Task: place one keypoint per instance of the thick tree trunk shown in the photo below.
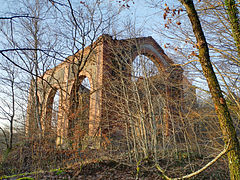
(226, 123)
(233, 15)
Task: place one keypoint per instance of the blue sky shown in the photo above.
(142, 13)
(145, 16)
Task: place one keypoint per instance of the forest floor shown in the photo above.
(105, 169)
(40, 162)
(110, 170)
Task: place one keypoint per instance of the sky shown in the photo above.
(141, 14)
(146, 16)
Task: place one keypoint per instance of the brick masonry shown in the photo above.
(105, 60)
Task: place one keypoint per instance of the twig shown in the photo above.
(196, 172)
(195, 60)
(17, 16)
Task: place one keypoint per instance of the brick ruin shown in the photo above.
(104, 63)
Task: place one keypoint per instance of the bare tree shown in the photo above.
(222, 111)
(8, 105)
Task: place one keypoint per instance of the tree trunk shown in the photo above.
(13, 113)
(233, 15)
(36, 68)
(226, 123)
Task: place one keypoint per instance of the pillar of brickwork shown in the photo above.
(173, 97)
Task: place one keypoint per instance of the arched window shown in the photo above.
(146, 76)
(143, 67)
(79, 110)
(52, 114)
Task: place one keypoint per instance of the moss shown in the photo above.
(25, 178)
(58, 171)
(19, 175)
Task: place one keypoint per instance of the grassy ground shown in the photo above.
(40, 160)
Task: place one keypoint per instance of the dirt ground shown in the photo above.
(95, 171)
(112, 170)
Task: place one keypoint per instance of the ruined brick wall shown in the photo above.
(107, 61)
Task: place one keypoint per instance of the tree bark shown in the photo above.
(233, 15)
(226, 123)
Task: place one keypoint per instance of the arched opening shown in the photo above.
(52, 115)
(78, 125)
(143, 67)
(147, 102)
(146, 77)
